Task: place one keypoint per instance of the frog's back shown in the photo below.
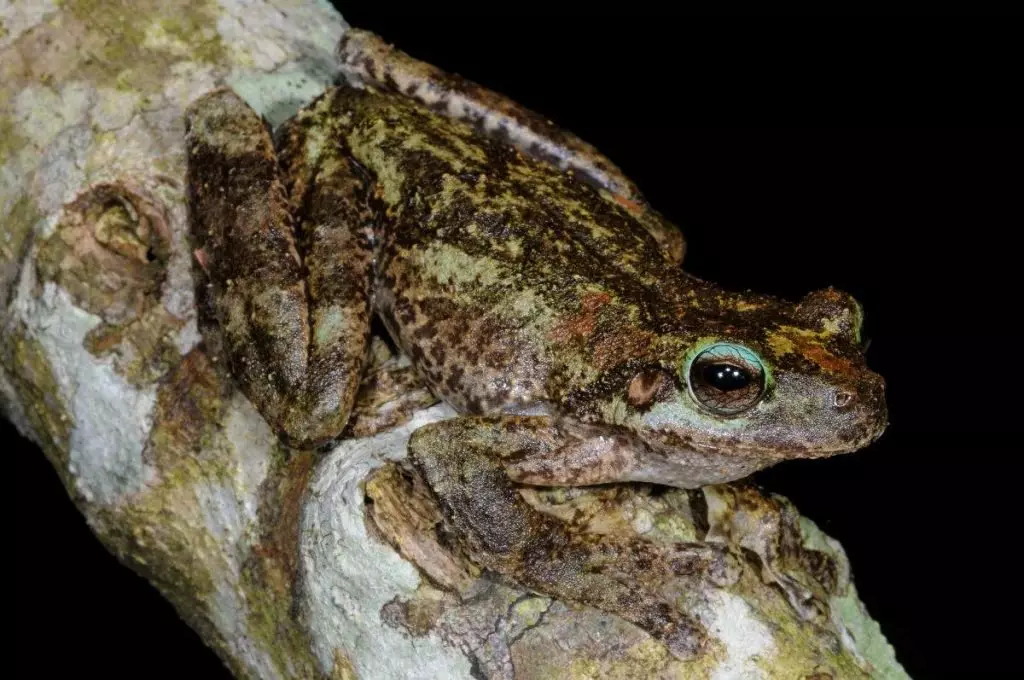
(491, 262)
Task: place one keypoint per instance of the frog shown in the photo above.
(533, 289)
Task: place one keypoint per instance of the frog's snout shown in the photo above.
(869, 394)
(863, 406)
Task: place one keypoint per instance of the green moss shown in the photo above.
(531, 609)
(10, 141)
(25, 363)
(146, 37)
(647, 659)
(270, 621)
(871, 643)
(186, 27)
(866, 632)
(15, 229)
(162, 532)
(801, 649)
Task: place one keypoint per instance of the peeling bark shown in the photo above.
(295, 565)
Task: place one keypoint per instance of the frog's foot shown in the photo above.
(294, 316)
(388, 396)
(365, 57)
(488, 518)
(769, 529)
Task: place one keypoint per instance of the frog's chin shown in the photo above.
(689, 464)
(688, 467)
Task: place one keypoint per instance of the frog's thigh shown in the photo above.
(462, 460)
(365, 57)
(295, 329)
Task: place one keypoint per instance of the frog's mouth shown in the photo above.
(688, 465)
(665, 457)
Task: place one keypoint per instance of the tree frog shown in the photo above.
(534, 290)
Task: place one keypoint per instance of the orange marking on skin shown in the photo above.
(643, 388)
(201, 258)
(583, 324)
(611, 348)
(825, 359)
(634, 207)
(579, 326)
(592, 302)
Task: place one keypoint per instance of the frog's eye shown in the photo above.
(726, 379)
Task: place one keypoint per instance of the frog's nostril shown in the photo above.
(843, 398)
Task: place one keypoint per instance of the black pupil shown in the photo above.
(726, 377)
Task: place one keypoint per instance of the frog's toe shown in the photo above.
(685, 638)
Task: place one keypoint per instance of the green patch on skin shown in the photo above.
(685, 412)
(31, 375)
(330, 327)
(366, 148)
(616, 412)
(780, 344)
(451, 265)
(417, 141)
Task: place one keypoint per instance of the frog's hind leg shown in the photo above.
(462, 461)
(288, 256)
(365, 57)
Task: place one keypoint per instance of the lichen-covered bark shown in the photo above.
(295, 565)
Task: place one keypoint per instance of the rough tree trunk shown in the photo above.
(276, 557)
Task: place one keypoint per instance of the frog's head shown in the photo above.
(763, 381)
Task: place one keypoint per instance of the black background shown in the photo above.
(849, 152)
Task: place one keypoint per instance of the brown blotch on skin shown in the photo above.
(581, 325)
(645, 387)
(825, 359)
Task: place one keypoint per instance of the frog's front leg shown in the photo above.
(464, 462)
(294, 314)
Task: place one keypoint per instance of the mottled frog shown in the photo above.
(533, 289)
